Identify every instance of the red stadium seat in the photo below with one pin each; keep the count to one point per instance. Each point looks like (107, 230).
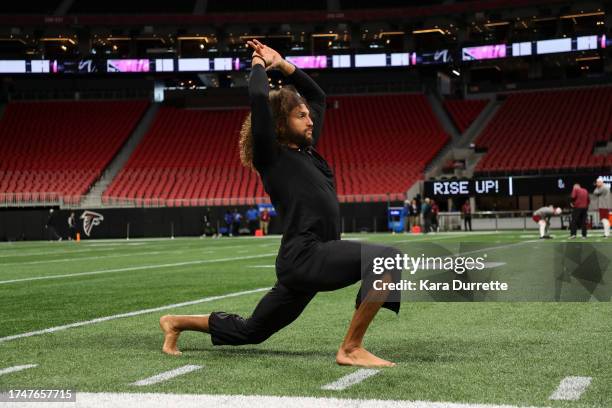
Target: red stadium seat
(464, 112)
(548, 130)
(50, 150)
(376, 145)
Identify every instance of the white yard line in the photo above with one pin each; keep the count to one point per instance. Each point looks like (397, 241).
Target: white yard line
(129, 314)
(136, 268)
(167, 375)
(134, 254)
(14, 369)
(498, 247)
(447, 235)
(106, 247)
(490, 265)
(350, 379)
(159, 400)
(571, 388)
(83, 258)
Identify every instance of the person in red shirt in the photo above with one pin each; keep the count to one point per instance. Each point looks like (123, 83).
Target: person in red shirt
(580, 205)
(435, 210)
(466, 213)
(264, 221)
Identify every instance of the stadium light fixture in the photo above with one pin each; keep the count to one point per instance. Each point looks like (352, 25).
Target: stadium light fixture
(594, 13)
(497, 24)
(429, 30)
(70, 40)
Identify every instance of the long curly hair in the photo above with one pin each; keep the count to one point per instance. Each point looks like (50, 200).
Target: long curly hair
(282, 101)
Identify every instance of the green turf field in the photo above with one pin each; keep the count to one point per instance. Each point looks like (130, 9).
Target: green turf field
(476, 353)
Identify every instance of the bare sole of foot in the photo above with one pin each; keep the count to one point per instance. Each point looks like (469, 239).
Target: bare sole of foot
(171, 336)
(361, 357)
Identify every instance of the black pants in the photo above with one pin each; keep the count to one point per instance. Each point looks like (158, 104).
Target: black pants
(52, 233)
(467, 222)
(332, 265)
(579, 216)
(426, 225)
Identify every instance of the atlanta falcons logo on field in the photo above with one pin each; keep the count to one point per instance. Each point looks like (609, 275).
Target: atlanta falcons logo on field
(90, 219)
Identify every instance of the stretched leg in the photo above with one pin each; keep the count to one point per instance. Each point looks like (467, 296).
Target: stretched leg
(173, 325)
(337, 264)
(351, 350)
(277, 309)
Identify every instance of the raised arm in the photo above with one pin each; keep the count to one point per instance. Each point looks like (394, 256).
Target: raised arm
(262, 123)
(315, 96)
(308, 88)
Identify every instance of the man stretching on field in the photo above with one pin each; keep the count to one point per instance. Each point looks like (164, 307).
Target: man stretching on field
(542, 216)
(277, 140)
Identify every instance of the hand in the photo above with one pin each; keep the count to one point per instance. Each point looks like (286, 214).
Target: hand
(272, 58)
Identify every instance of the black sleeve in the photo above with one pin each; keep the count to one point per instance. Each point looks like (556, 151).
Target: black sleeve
(315, 96)
(265, 147)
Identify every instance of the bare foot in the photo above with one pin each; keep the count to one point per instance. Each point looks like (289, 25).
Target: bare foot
(171, 336)
(360, 357)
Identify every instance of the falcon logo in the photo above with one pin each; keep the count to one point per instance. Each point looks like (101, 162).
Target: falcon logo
(90, 219)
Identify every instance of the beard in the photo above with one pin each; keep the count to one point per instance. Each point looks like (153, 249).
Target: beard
(303, 139)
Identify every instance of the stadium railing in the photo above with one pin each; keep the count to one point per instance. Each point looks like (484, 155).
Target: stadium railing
(504, 220)
(48, 199)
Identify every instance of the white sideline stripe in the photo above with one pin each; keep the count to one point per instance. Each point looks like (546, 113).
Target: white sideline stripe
(92, 247)
(350, 379)
(499, 247)
(447, 235)
(85, 259)
(493, 264)
(571, 388)
(159, 400)
(129, 314)
(17, 368)
(167, 375)
(137, 268)
(26, 254)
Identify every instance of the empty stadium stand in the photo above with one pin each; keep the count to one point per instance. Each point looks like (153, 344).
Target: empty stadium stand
(548, 131)
(187, 156)
(464, 112)
(56, 150)
(380, 144)
(190, 157)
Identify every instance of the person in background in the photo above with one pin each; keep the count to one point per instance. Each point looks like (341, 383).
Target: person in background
(603, 203)
(252, 217)
(413, 213)
(426, 213)
(209, 229)
(236, 221)
(542, 217)
(466, 213)
(407, 220)
(228, 218)
(51, 226)
(435, 210)
(264, 221)
(580, 205)
(72, 226)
